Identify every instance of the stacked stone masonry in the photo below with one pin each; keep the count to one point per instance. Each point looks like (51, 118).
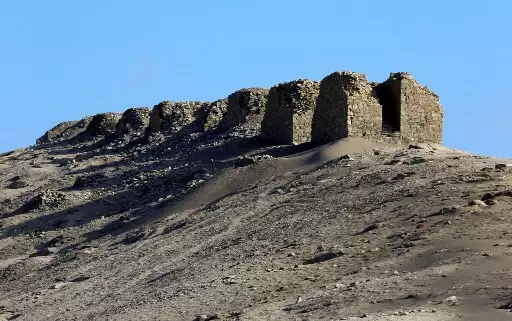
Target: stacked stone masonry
(213, 114)
(418, 113)
(289, 112)
(343, 104)
(244, 105)
(133, 120)
(103, 124)
(64, 131)
(346, 106)
(171, 117)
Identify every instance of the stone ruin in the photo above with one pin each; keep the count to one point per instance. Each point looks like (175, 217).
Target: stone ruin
(171, 117)
(244, 105)
(346, 107)
(398, 110)
(343, 104)
(103, 124)
(289, 112)
(64, 131)
(410, 111)
(133, 120)
(213, 113)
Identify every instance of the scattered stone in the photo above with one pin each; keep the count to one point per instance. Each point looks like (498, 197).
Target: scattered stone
(248, 160)
(205, 317)
(59, 285)
(90, 180)
(371, 228)
(17, 184)
(322, 257)
(506, 306)
(452, 300)
(477, 203)
(347, 157)
(134, 236)
(48, 199)
(503, 167)
(44, 252)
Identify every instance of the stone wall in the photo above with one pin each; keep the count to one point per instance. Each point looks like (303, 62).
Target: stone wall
(212, 114)
(243, 105)
(103, 124)
(64, 131)
(347, 106)
(133, 120)
(289, 112)
(52, 135)
(170, 117)
(420, 113)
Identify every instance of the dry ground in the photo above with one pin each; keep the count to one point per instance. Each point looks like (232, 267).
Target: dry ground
(389, 233)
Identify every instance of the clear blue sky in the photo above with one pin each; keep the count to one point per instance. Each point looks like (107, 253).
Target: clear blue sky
(63, 60)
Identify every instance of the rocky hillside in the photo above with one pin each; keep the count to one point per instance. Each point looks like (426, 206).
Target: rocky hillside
(184, 212)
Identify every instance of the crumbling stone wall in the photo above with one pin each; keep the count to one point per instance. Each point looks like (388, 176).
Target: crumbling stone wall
(420, 113)
(133, 120)
(289, 112)
(170, 116)
(243, 105)
(346, 106)
(213, 114)
(103, 124)
(64, 131)
(53, 134)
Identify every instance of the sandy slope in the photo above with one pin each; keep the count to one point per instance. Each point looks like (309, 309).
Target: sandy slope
(386, 235)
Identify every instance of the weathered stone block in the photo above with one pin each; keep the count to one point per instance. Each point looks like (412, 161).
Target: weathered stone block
(347, 106)
(289, 112)
(244, 104)
(103, 124)
(170, 116)
(133, 120)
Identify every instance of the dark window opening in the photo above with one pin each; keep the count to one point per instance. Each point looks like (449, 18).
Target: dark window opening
(390, 102)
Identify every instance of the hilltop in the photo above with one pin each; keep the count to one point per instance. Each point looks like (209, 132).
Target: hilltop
(330, 200)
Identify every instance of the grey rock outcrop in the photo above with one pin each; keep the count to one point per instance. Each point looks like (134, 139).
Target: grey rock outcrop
(289, 112)
(133, 120)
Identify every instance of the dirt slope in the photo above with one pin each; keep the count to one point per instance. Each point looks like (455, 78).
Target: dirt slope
(178, 230)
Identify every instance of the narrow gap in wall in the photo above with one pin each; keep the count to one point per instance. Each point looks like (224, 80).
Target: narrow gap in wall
(390, 102)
